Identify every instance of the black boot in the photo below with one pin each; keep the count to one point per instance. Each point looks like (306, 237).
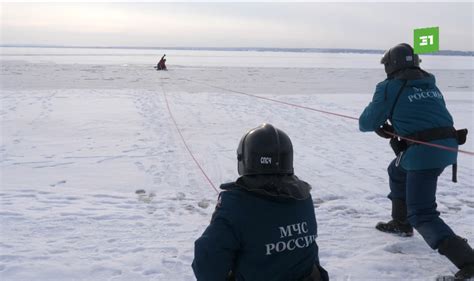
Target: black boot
(399, 224)
(396, 227)
(458, 251)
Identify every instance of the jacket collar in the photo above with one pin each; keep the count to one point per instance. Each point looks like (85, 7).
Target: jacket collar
(276, 186)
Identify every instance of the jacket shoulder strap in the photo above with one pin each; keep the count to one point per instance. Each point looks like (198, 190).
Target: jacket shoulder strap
(396, 99)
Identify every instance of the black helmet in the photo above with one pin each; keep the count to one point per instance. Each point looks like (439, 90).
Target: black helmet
(400, 57)
(265, 150)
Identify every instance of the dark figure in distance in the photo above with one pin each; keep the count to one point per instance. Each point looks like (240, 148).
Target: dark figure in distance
(162, 63)
(264, 227)
(416, 109)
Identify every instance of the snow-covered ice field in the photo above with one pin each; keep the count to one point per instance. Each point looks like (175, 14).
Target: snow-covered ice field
(81, 134)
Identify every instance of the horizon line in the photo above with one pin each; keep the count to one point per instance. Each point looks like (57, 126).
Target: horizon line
(258, 49)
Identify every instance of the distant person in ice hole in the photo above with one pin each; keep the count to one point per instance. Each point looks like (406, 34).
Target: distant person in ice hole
(162, 63)
(416, 109)
(264, 226)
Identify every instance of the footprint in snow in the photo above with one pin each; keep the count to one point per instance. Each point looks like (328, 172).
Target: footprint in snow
(145, 197)
(412, 246)
(203, 203)
(140, 166)
(180, 196)
(58, 183)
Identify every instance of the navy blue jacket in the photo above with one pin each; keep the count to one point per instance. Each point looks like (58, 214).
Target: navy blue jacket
(421, 106)
(263, 228)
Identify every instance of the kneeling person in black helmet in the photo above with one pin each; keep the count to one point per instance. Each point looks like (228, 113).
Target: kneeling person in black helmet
(264, 226)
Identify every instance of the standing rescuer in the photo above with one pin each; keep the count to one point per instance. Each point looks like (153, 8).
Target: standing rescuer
(264, 226)
(416, 109)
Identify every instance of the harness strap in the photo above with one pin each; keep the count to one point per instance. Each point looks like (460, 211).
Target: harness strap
(396, 99)
(433, 134)
(455, 173)
(438, 134)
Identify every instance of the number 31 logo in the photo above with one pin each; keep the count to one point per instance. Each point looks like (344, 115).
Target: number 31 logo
(426, 40)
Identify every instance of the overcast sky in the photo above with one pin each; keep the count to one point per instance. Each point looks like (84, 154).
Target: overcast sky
(282, 25)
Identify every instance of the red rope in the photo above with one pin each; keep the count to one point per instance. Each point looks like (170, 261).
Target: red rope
(185, 144)
(431, 144)
(336, 114)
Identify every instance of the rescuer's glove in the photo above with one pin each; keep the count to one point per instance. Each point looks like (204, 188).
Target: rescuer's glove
(382, 131)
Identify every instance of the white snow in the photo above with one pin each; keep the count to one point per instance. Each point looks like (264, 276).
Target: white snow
(96, 183)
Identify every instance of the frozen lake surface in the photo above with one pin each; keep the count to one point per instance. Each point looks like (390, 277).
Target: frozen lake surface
(81, 134)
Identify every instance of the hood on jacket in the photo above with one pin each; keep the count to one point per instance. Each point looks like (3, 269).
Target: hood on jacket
(276, 186)
(413, 73)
